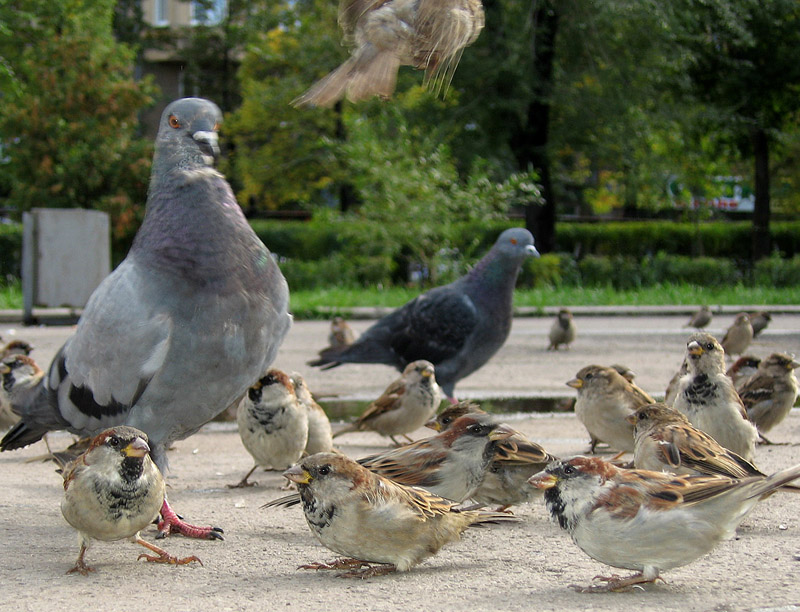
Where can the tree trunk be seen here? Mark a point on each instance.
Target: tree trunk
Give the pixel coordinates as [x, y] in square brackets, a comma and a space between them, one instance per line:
[529, 144]
[760, 233]
[347, 194]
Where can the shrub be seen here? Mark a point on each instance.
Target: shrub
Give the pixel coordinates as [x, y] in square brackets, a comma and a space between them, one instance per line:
[11, 249]
[777, 272]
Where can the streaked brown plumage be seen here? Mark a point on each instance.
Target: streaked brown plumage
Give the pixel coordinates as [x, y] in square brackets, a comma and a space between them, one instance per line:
[770, 393]
[385, 34]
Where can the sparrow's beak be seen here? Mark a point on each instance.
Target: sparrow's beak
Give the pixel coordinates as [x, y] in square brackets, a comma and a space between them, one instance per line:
[543, 480]
[694, 349]
[434, 425]
[632, 419]
[427, 372]
[4, 368]
[501, 432]
[298, 475]
[577, 383]
[531, 251]
[791, 366]
[137, 448]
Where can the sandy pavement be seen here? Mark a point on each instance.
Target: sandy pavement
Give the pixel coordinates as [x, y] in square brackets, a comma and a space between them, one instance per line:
[524, 566]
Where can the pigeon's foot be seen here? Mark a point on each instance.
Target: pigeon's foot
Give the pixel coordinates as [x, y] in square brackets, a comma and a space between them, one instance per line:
[172, 523]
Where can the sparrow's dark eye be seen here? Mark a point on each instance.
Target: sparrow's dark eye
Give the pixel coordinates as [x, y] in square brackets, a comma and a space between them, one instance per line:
[324, 470]
[447, 420]
[642, 416]
[589, 376]
[709, 346]
[113, 441]
[568, 469]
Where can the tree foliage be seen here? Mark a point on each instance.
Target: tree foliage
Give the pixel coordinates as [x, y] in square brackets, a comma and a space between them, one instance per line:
[69, 122]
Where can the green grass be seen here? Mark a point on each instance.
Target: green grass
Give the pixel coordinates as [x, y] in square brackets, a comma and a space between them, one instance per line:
[318, 303]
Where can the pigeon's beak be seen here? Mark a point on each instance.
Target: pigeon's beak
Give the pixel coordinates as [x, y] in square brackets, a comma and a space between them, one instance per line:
[575, 383]
[137, 448]
[298, 475]
[543, 480]
[531, 251]
[209, 145]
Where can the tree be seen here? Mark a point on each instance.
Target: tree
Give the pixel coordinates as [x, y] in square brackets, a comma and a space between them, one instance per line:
[69, 124]
[741, 61]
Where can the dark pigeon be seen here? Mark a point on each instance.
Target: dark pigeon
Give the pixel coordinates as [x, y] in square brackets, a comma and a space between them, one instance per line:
[457, 327]
[186, 323]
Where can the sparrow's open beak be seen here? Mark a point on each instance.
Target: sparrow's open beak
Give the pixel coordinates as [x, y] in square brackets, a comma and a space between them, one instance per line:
[543, 480]
[137, 448]
[694, 349]
[576, 383]
[501, 432]
[298, 475]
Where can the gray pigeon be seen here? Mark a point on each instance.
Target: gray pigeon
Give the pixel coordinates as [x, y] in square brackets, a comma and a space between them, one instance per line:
[457, 327]
[187, 322]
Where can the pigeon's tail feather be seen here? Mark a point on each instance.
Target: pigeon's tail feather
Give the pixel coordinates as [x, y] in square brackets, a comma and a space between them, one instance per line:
[370, 348]
[38, 415]
[22, 435]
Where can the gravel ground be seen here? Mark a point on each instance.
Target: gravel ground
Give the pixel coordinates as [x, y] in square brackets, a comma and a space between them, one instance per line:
[524, 566]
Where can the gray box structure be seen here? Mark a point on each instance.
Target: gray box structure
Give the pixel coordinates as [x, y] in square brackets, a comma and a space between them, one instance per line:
[66, 253]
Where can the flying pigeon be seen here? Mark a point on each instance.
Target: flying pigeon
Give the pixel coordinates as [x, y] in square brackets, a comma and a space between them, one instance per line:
[184, 325]
[457, 327]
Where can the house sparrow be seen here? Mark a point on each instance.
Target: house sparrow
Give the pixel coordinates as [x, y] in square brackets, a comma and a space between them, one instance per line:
[739, 335]
[647, 521]
[114, 490]
[742, 369]
[770, 393]
[515, 460]
[20, 386]
[445, 418]
[707, 397]
[701, 318]
[671, 391]
[272, 424]
[373, 520]
[404, 406]
[562, 331]
[320, 437]
[759, 320]
[625, 371]
[451, 464]
[15, 347]
[665, 441]
[605, 398]
[341, 333]
[386, 34]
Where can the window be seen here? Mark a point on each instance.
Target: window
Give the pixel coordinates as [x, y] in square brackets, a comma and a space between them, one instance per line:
[161, 13]
[208, 12]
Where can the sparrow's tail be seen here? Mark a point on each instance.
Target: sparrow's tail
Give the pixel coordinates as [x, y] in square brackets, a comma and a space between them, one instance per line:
[778, 480]
[348, 429]
[369, 72]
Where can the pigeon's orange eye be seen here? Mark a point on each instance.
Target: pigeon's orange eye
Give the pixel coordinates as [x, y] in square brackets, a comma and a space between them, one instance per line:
[513, 241]
[174, 122]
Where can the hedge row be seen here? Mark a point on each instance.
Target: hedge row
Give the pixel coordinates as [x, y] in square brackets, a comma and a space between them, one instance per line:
[629, 254]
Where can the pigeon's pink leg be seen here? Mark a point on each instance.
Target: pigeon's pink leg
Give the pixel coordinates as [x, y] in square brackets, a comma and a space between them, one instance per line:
[172, 523]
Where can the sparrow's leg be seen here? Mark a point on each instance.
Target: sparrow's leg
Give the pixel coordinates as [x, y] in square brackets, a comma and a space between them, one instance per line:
[369, 571]
[616, 583]
[162, 556]
[80, 565]
[244, 482]
[336, 564]
[172, 523]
